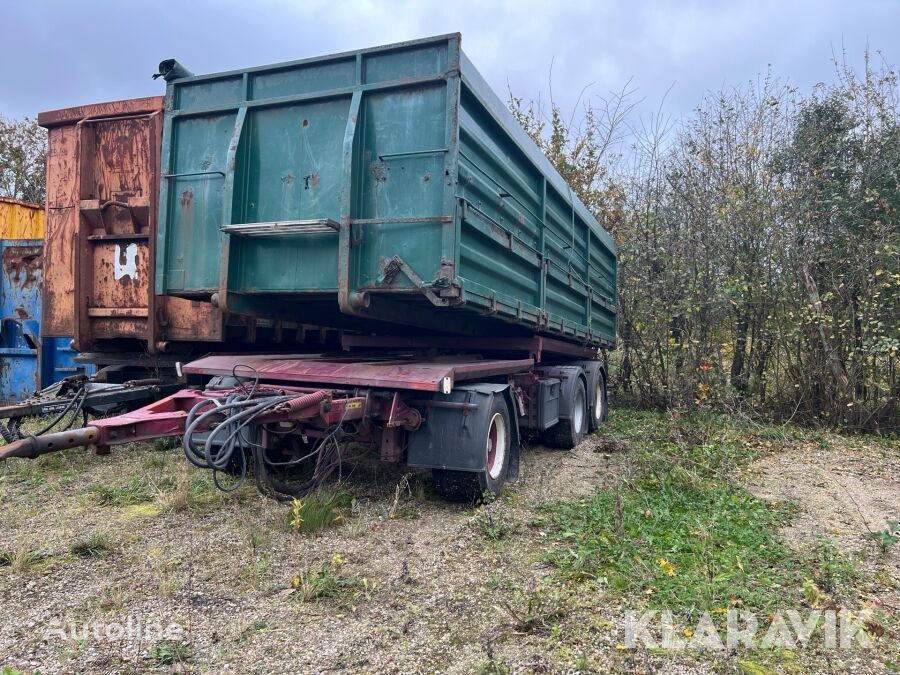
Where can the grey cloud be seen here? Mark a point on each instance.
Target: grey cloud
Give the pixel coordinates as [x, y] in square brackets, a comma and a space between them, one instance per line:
[65, 53]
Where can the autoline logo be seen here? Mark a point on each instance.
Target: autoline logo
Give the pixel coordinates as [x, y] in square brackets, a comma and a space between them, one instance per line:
[133, 629]
[788, 629]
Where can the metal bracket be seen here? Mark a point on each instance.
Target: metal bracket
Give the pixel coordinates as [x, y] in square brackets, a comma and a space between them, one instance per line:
[396, 265]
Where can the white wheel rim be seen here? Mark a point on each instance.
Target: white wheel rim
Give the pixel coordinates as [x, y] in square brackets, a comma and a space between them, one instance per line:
[578, 412]
[598, 403]
[496, 446]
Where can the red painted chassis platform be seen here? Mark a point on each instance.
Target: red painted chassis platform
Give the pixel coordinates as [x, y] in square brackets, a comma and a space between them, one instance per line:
[384, 373]
[326, 391]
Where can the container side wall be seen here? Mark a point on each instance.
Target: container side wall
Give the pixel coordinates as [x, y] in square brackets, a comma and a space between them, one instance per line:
[502, 193]
[562, 262]
[268, 146]
[20, 313]
[21, 220]
[102, 202]
[194, 205]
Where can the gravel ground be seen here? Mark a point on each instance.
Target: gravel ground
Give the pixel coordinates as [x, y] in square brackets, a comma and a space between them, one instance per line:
[439, 587]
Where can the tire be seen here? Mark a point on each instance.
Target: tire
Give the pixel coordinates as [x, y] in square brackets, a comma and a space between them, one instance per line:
[568, 433]
[600, 408]
[470, 486]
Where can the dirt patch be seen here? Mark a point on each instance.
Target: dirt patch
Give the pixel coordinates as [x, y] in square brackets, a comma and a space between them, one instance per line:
[846, 490]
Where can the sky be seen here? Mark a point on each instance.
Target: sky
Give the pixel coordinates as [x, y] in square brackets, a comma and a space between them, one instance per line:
[669, 52]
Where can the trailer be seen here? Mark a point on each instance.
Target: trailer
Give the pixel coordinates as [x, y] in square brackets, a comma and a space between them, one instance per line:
[289, 420]
[386, 193]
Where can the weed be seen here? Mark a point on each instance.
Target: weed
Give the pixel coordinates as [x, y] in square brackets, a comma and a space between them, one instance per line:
[536, 610]
[496, 527]
[492, 667]
[257, 538]
[401, 488]
[407, 512]
[166, 444]
[827, 568]
[497, 581]
[169, 587]
[328, 581]
[23, 558]
[111, 599]
[889, 536]
[319, 510]
[191, 490]
[583, 664]
[170, 652]
[95, 545]
[256, 569]
[255, 626]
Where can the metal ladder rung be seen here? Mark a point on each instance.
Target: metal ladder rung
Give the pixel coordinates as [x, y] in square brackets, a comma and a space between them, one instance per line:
[282, 227]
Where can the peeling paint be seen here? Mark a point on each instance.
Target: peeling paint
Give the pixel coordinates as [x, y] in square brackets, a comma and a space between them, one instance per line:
[125, 263]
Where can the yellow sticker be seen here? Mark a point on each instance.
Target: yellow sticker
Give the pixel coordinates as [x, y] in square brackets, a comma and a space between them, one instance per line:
[353, 405]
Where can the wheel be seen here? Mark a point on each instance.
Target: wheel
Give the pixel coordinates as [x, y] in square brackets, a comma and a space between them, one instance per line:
[470, 486]
[568, 433]
[600, 407]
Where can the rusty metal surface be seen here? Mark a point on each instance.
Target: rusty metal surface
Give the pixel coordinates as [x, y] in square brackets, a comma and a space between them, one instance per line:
[31, 447]
[69, 116]
[102, 199]
[535, 346]
[20, 312]
[393, 373]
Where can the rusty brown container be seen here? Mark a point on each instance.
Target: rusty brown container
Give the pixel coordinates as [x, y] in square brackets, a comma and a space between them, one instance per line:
[102, 200]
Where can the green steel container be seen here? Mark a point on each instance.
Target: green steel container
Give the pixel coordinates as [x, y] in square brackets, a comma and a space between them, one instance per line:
[386, 187]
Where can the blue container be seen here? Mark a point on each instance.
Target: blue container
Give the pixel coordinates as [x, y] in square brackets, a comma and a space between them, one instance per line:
[27, 363]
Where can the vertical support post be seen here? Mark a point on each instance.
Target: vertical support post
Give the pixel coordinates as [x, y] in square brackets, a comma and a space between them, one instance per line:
[542, 288]
[82, 258]
[154, 334]
[228, 203]
[451, 231]
[345, 236]
[165, 168]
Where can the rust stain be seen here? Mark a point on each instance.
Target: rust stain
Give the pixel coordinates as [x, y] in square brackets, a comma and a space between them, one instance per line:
[21, 268]
[376, 170]
[105, 158]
